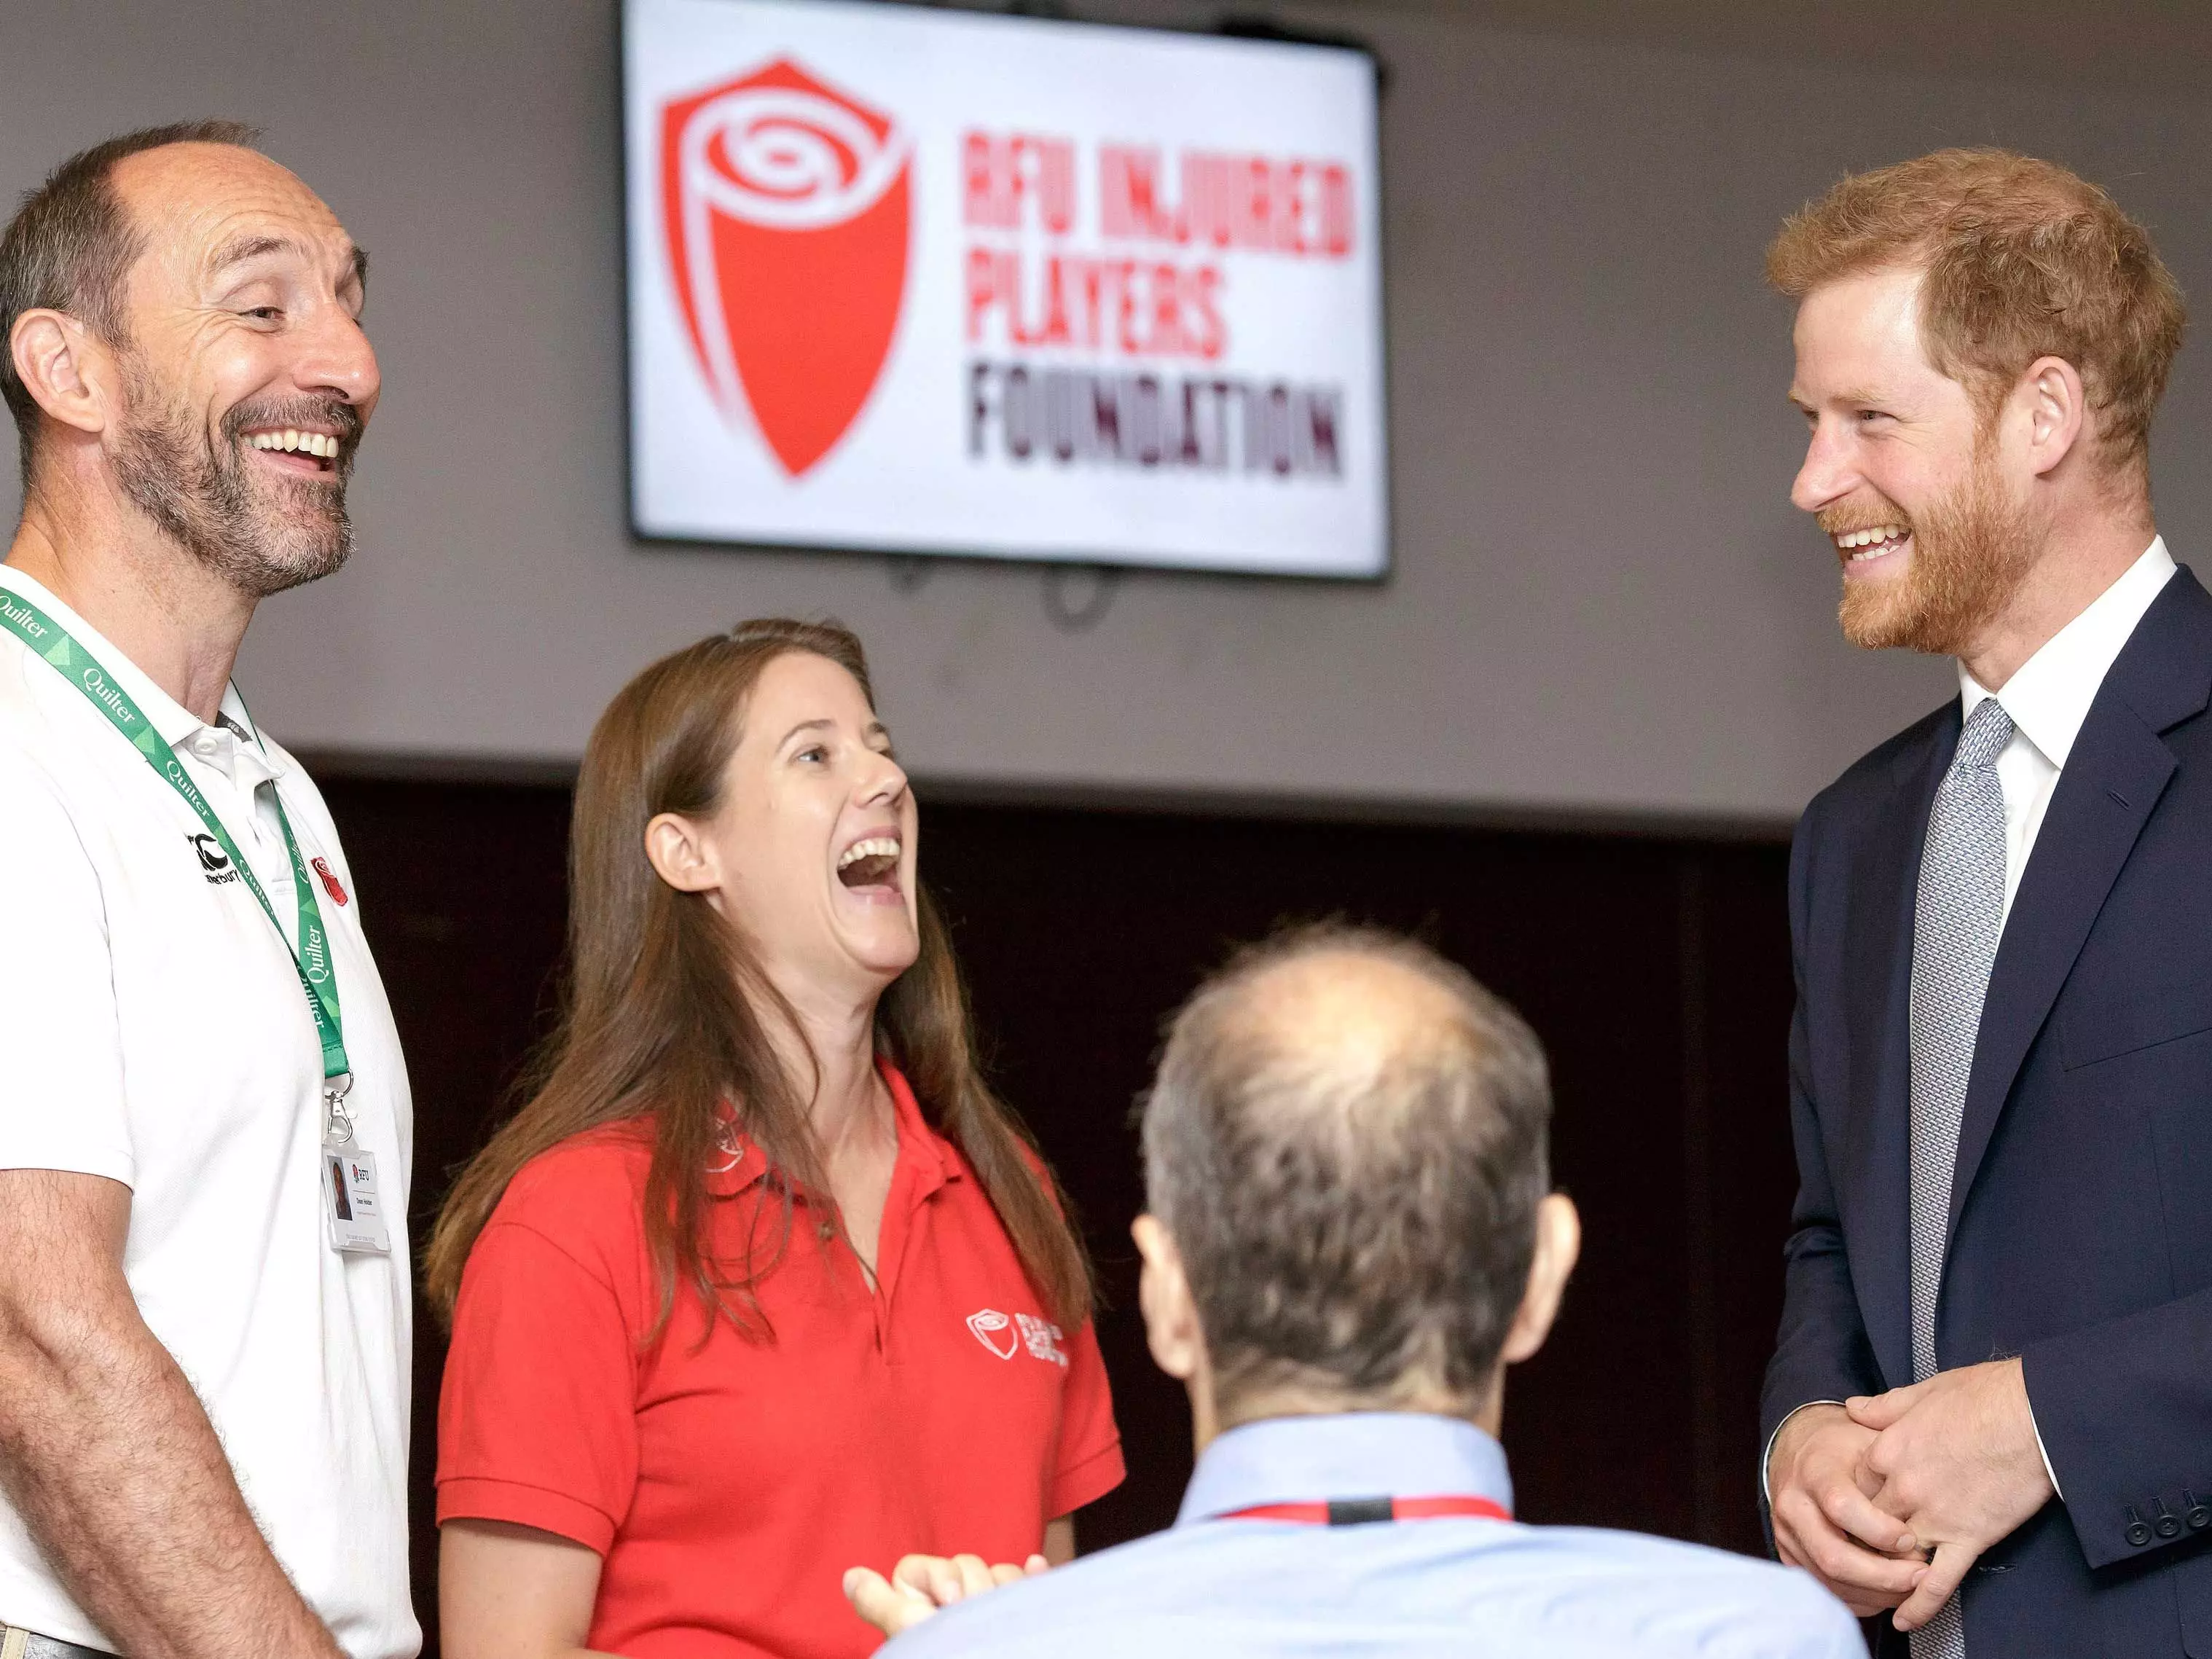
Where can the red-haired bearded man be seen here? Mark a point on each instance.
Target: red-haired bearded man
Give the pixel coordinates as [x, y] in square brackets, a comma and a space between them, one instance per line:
[1990, 1407]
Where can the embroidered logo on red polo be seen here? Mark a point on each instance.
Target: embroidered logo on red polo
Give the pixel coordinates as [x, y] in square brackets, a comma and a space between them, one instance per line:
[1007, 1337]
[995, 1331]
[1042, 1338]
[787, 209]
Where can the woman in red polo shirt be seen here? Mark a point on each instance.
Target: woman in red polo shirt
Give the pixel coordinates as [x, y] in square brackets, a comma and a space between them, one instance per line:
[762, 1283]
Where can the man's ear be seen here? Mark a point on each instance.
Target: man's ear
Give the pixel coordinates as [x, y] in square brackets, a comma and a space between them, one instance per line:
[69, 373]
[2052, 410]
[681, 854]
[1559, 1243]
[1171, 1329]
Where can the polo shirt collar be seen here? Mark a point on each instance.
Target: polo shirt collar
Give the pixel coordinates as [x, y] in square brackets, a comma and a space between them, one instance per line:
[932, 1159]
[175, 725]
[2049, 694]
[740, 1163]
[254, 754]
[1345, 1454]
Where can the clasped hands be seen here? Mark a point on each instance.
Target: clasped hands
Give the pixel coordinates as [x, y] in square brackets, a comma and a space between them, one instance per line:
[921, 1584]
[1889, 1500]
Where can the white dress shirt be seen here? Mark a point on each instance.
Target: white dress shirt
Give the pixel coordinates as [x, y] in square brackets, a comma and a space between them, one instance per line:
[2048, 697]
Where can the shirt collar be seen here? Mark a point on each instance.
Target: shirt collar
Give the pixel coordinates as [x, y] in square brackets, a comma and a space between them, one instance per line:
[175, 725]
[2049, 696]
[253, 749]
[935, 1161]
[1345, 1455]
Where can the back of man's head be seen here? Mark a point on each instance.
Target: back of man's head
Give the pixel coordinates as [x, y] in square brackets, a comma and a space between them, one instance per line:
[1347, 1144]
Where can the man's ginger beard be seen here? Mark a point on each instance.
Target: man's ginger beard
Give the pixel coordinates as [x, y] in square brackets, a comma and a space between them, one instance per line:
[262, 535]
[1970, 554]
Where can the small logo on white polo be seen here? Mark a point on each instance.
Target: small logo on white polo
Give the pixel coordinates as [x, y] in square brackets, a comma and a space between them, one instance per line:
[214, 864]
[995, 1331]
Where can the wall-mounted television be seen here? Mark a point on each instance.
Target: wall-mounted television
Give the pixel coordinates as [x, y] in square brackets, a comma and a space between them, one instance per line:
[936, 282]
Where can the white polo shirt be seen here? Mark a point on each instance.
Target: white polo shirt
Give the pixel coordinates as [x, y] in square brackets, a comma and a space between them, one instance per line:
[153, 1030]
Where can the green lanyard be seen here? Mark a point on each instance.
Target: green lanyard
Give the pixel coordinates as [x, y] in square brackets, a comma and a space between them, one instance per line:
[311, 959]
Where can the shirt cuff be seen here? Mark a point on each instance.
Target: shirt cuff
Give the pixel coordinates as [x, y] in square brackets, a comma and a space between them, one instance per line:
[1088, 1481]
[1766, 1457]
[19, 1151]
[477, 1497]
[2043, 1452]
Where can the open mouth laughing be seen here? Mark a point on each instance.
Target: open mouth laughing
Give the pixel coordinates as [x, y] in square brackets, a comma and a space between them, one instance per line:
[870, 869]
[1863, 549]
[301, 454]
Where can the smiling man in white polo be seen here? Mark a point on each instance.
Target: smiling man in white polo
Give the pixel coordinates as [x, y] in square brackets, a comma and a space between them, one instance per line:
[204, 1121]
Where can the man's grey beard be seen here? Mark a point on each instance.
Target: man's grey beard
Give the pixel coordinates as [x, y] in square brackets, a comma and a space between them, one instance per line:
[1970, 555]
[260, 535]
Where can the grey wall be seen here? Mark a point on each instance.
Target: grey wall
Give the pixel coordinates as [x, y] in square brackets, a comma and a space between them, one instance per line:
[1602, 601]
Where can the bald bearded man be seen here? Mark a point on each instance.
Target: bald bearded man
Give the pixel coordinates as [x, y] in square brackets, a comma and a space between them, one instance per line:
[204, 1121]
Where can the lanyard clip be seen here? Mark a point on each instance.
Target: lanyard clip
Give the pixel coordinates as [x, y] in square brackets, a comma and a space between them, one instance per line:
[337, 1122]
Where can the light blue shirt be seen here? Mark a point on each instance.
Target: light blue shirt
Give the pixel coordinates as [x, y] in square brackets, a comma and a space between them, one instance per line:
[1467, 1588]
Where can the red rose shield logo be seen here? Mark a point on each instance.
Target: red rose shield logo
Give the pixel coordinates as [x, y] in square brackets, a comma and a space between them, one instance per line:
[989, 1326]
[786, 207]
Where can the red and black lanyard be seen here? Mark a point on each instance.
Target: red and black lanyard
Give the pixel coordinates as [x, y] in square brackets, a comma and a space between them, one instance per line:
[1364, 1511]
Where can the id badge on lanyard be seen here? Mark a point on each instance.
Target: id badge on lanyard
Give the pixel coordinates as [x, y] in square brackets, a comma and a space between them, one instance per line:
[352, 1206]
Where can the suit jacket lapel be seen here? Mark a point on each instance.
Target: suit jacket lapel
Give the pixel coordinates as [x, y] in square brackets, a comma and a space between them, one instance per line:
[1877, 1197]
[2113, 779]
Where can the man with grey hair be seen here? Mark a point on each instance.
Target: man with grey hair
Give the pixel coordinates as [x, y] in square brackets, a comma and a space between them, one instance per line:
[1352, 1237]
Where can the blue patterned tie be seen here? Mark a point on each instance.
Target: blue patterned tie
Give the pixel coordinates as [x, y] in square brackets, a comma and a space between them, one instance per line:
[1957, 917]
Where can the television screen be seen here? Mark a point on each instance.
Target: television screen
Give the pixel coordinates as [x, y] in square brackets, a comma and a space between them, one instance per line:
[925, 281]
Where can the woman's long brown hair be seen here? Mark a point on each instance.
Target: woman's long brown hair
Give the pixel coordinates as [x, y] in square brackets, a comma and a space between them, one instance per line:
[664, 1006]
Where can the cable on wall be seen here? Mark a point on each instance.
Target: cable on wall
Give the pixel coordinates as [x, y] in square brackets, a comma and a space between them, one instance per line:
[1077, 597]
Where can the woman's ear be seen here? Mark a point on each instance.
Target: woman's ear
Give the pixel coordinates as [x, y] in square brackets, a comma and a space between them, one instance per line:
[682, 855]
[1559, 1242]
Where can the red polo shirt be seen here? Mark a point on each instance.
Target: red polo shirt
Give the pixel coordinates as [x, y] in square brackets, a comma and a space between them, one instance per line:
[728, 1483]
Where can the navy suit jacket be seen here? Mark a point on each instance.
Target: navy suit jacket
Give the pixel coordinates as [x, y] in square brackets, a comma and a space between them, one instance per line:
[2080, 1233]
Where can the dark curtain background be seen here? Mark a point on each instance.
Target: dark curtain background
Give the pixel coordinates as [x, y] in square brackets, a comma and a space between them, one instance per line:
[1655, 969]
